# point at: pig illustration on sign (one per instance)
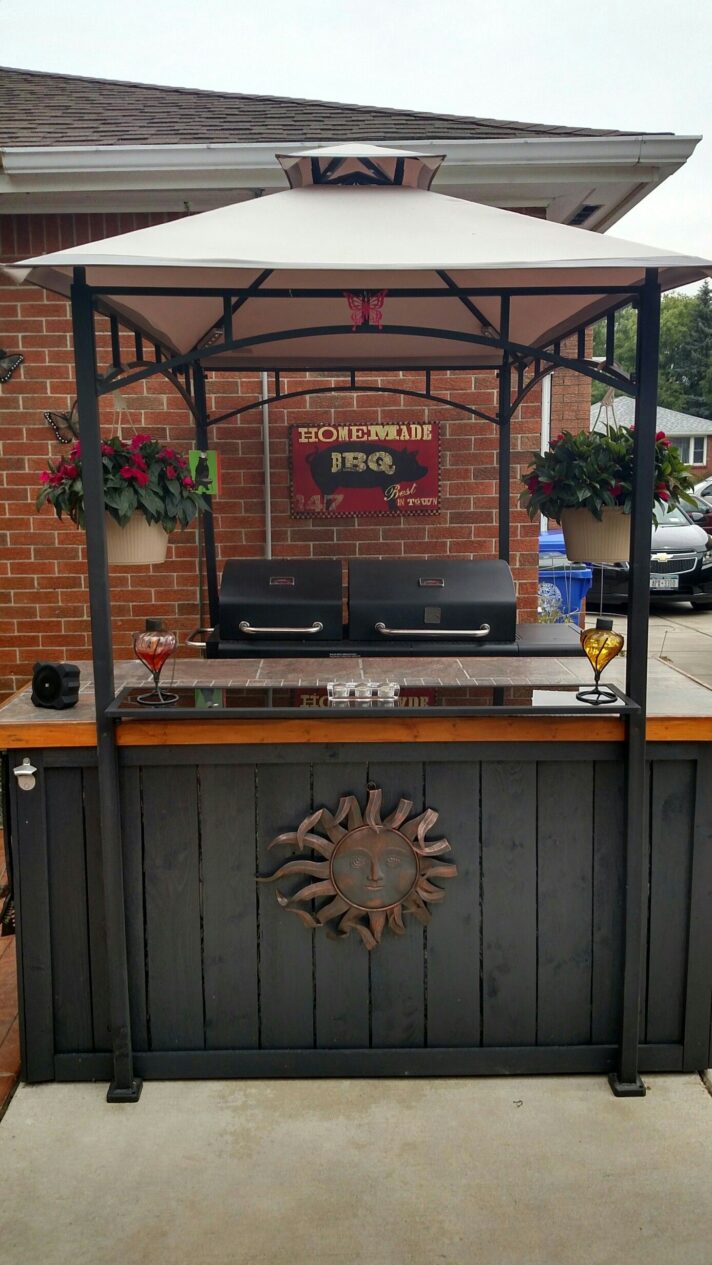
(364, 466)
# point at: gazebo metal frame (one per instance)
(520, 368)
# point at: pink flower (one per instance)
(107, 450)
(44, 477)
(131, 472)
(138, 440)
(170, 472)
(56, 479)
(167, 454)
(187, 482)
(69, 470)
(661, 435)
(663, 496)
(139, 461)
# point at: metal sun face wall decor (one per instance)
(373, 870)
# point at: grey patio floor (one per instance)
(498, 1172)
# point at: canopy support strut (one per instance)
(625, 1081)
(124, 1087)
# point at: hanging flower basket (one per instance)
(585, 482)
(148, 493)
(589, 539)
(137, 544)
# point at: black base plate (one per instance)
(626, 1089)
(117, 1093)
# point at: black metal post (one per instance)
(504, 415)
(626, 1082)
(125, 1087)
(208, 527)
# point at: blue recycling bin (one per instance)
(563, 585)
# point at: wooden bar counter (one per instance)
(519, 968)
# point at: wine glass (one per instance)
(153, 648)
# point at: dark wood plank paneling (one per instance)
(671, 831)
(397, 964)
(509, 903)
(342, 967)
(286, 945)
(564, 892)
(227, 831)
(453, 937)
(608, 901)
(95, 912)
(73, 1027)
(132, 834)
(28, 839)
(698, 999)
(171, 866)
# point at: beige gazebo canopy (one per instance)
(359, 242)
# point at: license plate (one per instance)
(664, 581)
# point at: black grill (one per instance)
(284, 608)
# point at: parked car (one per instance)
(700, 511)
(704, 488)
(680, 564)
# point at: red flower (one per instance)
(187, 482)
(170, 472)
(107, 450)
(660, 435)
(139, 461)
(138, 440)
(616, 489)
(547, 488)
(56, 479)
(661, 487)
(663, 495)
(69, 470)
(130, 472)
(75, 450)
(532, 482)
(44, 477)
(167, 454)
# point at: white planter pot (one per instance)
(138, 544)
(589, 540)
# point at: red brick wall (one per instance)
(42, 562)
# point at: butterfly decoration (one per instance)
(9, 362)
(64, 425)
(366, 307)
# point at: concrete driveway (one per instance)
(679, 635)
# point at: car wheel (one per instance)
(701, 603)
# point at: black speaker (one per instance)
(55, 685)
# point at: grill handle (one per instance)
(483, 631)
(246, 627)
(198, 639)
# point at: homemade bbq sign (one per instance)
(372, 468)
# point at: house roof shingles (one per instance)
(41, 109)
(622, 412)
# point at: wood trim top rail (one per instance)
(404, 729)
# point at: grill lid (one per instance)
(295, 598)
(430, 599)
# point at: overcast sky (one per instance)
(629, 64)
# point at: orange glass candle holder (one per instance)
(600, 645)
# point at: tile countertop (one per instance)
(670, 692)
